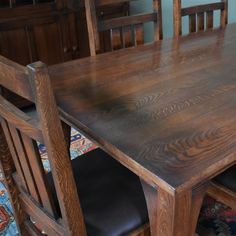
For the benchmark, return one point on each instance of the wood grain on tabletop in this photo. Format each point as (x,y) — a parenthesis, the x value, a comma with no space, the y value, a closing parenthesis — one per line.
(167,109)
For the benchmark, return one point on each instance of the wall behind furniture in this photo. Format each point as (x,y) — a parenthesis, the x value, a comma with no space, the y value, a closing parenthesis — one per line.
(167,14)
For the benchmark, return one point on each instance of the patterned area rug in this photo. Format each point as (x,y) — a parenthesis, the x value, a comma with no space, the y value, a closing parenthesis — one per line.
(216,218)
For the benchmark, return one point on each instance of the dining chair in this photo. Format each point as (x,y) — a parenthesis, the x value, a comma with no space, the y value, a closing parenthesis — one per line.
(91,195)
(125,31)
(201,17)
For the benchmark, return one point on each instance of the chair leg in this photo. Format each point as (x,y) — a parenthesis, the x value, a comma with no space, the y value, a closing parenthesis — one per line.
(198,195)
(8,168)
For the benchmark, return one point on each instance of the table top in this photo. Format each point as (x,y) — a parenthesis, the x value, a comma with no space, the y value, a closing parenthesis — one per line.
(167,110)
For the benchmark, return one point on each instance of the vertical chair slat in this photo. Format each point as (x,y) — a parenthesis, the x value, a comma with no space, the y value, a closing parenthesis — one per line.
(158,31)
(127,36)
(35,162)
(177,18)
(224,14)
(14,154)
(8,168)
(199,11)
(23,159)
(123,36)
(116,38)
(44,222)
(192,23)
(209,19)
(200,21)
(110,39)
(21,131)
(139,34)
(37,215)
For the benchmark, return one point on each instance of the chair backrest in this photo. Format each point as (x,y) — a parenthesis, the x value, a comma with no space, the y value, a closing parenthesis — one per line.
(200,17)
(23,133)
(123,31)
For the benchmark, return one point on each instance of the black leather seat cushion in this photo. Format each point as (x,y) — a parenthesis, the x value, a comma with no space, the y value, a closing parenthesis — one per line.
(228,178)
(111,196)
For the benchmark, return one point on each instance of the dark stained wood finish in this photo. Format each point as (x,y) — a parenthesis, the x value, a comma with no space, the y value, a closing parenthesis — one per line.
(32,197)
(187,208)
(8,168)
(103,12)
(58,154)
(165,110)
(35,209)
(125,31)
(197,15)
(50,31)
(44,31)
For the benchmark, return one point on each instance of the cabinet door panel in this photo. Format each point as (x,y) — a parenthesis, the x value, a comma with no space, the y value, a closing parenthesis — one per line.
(46,31)
(14,45)
(48,43)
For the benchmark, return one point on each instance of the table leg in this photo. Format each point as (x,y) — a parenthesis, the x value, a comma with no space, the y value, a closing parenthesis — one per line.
(173,215)
(198,195)
(7,167)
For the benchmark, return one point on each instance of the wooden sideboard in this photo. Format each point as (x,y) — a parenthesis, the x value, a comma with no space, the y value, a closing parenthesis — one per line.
(44,31)
(48,30)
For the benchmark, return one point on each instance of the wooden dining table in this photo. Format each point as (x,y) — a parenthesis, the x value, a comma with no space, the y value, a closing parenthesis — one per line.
(166,111)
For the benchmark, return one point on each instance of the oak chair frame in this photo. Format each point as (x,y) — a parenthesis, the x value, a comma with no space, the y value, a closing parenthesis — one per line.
(28,188)
(197,16)
(122,34)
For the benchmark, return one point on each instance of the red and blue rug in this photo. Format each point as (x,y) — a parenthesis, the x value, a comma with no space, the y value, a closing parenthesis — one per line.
(216,218)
